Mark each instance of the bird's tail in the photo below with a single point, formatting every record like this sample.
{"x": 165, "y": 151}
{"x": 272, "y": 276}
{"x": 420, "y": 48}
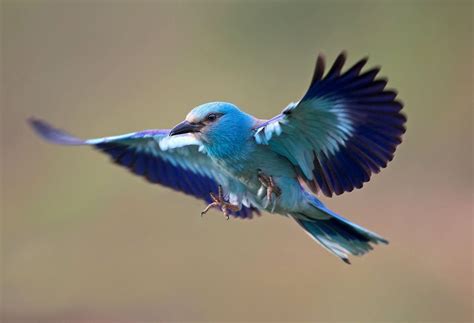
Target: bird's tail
{"x": 335, "y": 233}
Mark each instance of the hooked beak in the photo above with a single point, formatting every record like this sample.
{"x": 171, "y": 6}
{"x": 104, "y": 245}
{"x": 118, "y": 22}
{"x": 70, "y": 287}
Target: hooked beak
{"x": 185, "y": 127}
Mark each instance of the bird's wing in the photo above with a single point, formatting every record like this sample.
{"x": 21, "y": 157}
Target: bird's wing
{"x": 346, "y": 127}
{"x": 175, "y": 162}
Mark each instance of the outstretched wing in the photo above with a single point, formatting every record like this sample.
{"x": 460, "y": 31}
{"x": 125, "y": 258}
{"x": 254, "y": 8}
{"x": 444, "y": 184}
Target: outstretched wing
{"x": 175, "y": 162}
{"x": 346, "y": 127}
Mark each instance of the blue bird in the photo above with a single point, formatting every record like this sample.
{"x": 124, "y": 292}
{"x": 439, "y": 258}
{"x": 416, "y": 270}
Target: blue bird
{"x": 346, "y": 127}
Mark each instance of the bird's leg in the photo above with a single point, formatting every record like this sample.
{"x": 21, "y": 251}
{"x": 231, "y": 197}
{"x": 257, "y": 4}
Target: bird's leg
{"x": 208, "y": 207}
{"x": 268, "y": 182}
{"x": 219, "y": 200}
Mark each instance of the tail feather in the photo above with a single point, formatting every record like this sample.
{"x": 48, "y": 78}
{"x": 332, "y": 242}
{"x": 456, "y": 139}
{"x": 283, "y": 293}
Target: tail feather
{"x": 337, "y": 234}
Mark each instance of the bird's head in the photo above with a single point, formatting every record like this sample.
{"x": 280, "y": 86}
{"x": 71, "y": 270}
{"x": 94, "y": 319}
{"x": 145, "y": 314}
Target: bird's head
{"x": 212, "y": 121}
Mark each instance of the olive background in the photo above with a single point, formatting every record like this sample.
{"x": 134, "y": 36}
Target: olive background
{"x": 84, "y": 240}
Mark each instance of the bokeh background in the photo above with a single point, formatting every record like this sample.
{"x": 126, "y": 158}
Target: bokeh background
{"x": 84, "y": 240}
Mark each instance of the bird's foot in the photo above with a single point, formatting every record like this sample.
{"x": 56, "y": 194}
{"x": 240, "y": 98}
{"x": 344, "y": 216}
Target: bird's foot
{"x": 272, "y": 189}
{"x": 219, "y": 201}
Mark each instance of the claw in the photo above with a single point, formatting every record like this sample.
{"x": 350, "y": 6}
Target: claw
{"x": 273, "y": 191}
{"x": 211, "y": 205}
{"x": 219, "y": 201}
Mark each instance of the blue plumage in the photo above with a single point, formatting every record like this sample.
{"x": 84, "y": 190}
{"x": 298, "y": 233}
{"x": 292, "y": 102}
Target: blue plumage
{"x": 345, "y": 128}
{"x": 365, "y": 126}
{"x": 127, "y": 151}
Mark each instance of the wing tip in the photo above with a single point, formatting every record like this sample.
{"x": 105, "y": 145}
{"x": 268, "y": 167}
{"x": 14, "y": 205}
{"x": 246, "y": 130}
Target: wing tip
{"x": 319, "y": 68}
{"x": 338, "y": 64}
{"x": 51, "y": 134}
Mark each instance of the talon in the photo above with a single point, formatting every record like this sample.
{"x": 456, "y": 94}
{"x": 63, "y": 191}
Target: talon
{"x": 272, "y": 188}
{"x": 219, "y": 201}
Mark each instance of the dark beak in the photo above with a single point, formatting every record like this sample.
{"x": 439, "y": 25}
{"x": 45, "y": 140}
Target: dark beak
{"x": 185, "y": 127}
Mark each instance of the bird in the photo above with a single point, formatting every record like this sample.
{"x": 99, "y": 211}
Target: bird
{"x": 345, "y": 128}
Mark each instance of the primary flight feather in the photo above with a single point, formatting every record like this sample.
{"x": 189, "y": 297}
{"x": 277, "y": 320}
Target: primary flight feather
{"x": 346, "y": 127}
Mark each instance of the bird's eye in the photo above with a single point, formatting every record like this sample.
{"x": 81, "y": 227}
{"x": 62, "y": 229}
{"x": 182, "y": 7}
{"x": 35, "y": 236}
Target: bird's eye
{"x": 211, "y": 117}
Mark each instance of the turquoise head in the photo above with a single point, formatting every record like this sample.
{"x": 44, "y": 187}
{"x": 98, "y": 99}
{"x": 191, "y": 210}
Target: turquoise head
{"x": 216, "y": 124}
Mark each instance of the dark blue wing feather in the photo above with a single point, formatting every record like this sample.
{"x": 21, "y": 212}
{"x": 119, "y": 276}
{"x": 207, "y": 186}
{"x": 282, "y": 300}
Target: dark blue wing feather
{"x": 183, "y": 169}
{"x": 348, "y": 120}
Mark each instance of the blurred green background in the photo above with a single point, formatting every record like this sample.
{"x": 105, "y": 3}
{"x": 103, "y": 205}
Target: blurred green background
{"x": 84, "y": 240}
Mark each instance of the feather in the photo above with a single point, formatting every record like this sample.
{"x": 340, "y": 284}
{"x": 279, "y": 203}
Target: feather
{"x": 346, "y": 127}
{"x": 176, "y": 162}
